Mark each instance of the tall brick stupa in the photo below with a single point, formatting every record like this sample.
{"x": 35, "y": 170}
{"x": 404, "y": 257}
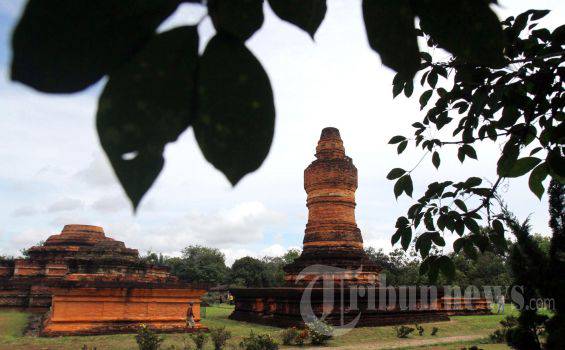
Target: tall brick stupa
{"x": 333, "y": 252}
{"x": 332, "y": 237}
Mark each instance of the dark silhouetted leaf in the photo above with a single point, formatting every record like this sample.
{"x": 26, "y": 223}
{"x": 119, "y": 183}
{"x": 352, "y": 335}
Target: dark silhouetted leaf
{"x": 397, "y": 88}
{"x": 437, "y": 239}
{"x": 460, "y": 204}
{"x": 236, "y": 119}
{"x": 424, "y": 244}
{"x": 396, "y": 139}
{"x": 424, "y": 98}
{"x": 305, "y": 14}
{"x": 535, "y": 150}
{"x": 442, "y": 222}
{"x": 467, "y": 28}
{"x": 481, "y": 241}
{"x": 469, "y": 151}
{"x": 404, "y": 184}
{"x": 461, "y": 154}
{"x": 522, "y": 166}
{"x": 497, "y": 226}
{"x": 536, "y": 179}
{"x": 507, "y": 160}
{"x": 510, "y": 115}
{"x": 539, "y": 14}
{"x": 239, "y": 18}
{"x": 432, "y": 79}
{"x": 497, "y": 235}
{"x": 436, "y": 160}
{"x": 429, "y": 221}
{"x": 458, "y": 244}
{"x": 558, "y": 35}
{"x": 425, "y": 265}
{"x": 406, "y": 238}
{"x": 402, "y": 222}
{"x": 68, "y": 45}
{"x": 147, "y": 104}
{"x": 391, "y": 33}
{"x": 396, "y": 237}
{"x": 395, "y": 173}
{"x": 409, "y": 88}
{"x": 472, "y": 225}
{"x": 402, "y": 146}
{"x": 470, "y": 250}
{"x": 556, "y": 163}
{"x": 446, "y": 266}
{"x": 459, "y": 226}
{"x": 466, "y": 150}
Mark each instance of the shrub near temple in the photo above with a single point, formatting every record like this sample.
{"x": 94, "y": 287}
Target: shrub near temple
{"x": 320, "y": 332}
{"x": 289, "y": 335}
{"x": 219, "y": 337}
{"x": 146, "y": 339}
{"x": 294, "y": 336}
{"x": 420, "y": 329}
{"x": 199, "y": 338}
{"x": 258, "y": 342}
{"x": 303, "y": 335}
{"x": 403, "y": 331}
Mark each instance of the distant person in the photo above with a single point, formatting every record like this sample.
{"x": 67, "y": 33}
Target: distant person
{"x": 500, "y": 303}
{"x": 190, "y": 316}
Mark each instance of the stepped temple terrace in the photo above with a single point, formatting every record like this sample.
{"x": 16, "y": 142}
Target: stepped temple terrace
{"x": 93, "y": 284}
{"x": 334, "y": 278}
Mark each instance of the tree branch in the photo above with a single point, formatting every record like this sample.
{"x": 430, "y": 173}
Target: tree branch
{"x": 487, "y": 199}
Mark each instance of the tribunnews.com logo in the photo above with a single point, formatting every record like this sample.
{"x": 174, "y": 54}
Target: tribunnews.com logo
{"x": 344, "y": 301}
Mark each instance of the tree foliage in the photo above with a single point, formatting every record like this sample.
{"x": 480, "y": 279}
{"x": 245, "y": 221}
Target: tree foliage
{"x": 556, "y": 286}
{"x": 248, "y": 271}
{"x": 529, "y": 267}
{"x": 152, "y": 94}
{"x": 200, "y": 264}
{"x": 402, "y": 268}
{"x": 518, "y": 105}
{"x": 207, "y": 265}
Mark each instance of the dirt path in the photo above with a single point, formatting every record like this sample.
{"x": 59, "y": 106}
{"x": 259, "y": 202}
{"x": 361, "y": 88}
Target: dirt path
{"x": 406, "y": 343}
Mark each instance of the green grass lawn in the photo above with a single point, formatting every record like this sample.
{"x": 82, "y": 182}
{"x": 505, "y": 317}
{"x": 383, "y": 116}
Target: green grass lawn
{"x": 461, "y": 331}
{"x": 12, "y": 324}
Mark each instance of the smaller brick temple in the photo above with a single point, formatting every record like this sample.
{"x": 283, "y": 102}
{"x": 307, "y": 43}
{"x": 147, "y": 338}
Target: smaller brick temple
{"x": 334, "y": 278}
{"x": 93, "y": 284}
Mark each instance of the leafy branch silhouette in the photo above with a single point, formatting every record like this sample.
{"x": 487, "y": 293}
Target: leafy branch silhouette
{"x": 158, "y": 84}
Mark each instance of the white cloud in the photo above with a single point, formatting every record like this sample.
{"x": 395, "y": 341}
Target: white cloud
{"x": 243, "y": 224}
{"x": 273, "y": 250}
{"x": 65, "y": 204}
{"x": 26, "y": 238}
{"x": 232, "y": 254}
{"x": 236, "y": 230}
{"x": 98, "y": 173}
{"x": 111, "y": 204}
{"x": 26, "y": 210}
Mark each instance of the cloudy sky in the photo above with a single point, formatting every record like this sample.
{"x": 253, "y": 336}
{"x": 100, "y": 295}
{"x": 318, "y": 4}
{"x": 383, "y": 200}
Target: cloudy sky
{"x": 54, "y": 171}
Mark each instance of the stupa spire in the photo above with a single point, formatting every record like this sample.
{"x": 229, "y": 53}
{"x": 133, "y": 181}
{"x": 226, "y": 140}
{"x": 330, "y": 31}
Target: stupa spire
{"x": 332, "y": 237}
{"x": 330, "y": 145}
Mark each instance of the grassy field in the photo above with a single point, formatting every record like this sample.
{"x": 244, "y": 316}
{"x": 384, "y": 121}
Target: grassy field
{"x": 458, "y": 333}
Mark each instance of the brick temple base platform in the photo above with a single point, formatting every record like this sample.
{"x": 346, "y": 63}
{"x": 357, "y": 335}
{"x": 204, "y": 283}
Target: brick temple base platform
{"x": 281, "y": 307}
{"x": 113, "y": 309}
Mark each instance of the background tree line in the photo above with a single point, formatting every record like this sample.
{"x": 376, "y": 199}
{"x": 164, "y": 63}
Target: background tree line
{"x": 202, "y": 264}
